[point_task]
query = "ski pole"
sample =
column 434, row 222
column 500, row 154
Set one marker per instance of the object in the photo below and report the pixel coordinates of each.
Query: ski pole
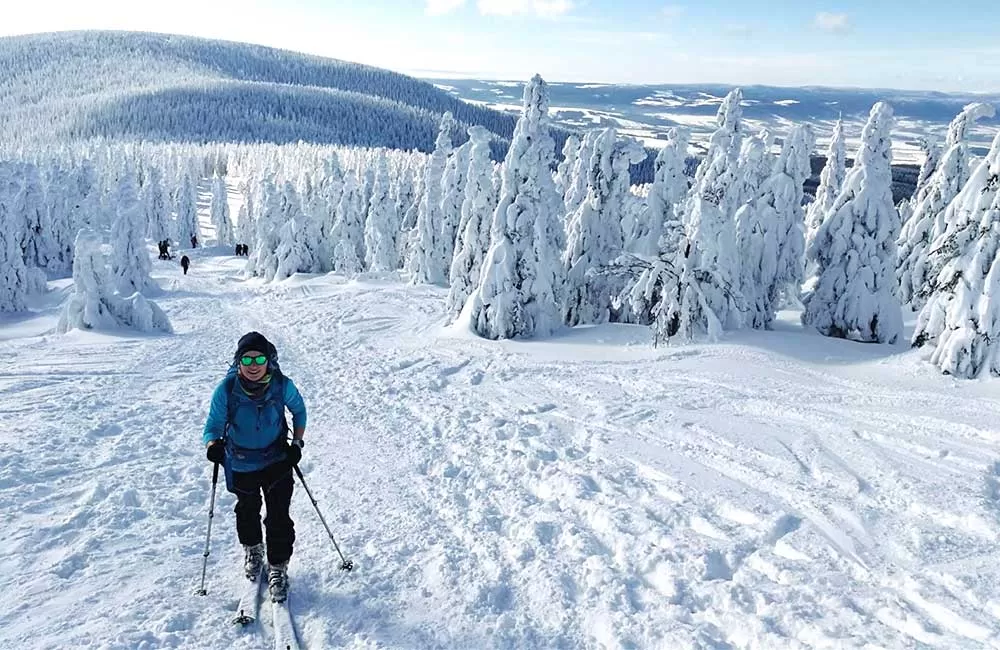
column 345, row 564
column 208, row 536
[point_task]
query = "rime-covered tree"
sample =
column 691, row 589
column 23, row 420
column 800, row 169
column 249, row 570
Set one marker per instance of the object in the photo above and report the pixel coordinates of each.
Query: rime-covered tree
column 668, row 190
column 187, row 211
column 963, row 316
column 155, row 203
column 474, row 230
column 595, row 235
column 38, row 231
column 521, row 283
column 772, row 232
column 453, row 194
column 854, row 292
column 576, row 181
column 13, row 274
column 710, row 211
column 86, row 196
column 932, row 158
column 297, row 250
column 831, row 180
column 754, row 166
column 263, row 261
column 220, row 212
column 57, row 205
column 93, row 306
column 917, row 265
column 564, row 172
column 382, row 223
column 130, row 265
column 348, row 233
column 965, row 253
column 428, row 263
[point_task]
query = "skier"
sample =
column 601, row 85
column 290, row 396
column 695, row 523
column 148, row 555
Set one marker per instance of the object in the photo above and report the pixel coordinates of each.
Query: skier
column 194, row 241
column 246, row 432
column 185, row 263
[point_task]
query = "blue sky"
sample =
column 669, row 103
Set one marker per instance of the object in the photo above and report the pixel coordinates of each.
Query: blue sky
column 916, row 44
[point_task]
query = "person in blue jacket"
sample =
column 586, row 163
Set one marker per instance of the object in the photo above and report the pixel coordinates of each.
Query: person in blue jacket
column 246, row 432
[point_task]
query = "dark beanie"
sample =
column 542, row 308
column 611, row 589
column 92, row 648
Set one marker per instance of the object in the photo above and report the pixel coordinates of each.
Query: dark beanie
column 253, row 341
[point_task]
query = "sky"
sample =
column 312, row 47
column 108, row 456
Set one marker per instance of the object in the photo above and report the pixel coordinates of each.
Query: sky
column 910, row 44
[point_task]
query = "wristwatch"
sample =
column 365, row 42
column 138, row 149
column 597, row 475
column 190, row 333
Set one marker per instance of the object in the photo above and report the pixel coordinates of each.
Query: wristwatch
column 299, row 442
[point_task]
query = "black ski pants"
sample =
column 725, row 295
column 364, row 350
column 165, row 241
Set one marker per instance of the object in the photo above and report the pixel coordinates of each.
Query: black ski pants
column 275, row 482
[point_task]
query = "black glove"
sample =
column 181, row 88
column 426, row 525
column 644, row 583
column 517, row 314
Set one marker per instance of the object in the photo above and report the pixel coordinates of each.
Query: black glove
column 216, row 451
column 295, row 452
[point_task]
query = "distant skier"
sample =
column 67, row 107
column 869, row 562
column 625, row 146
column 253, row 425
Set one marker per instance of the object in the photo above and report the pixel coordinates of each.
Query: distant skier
column 194, row 241
column 239, row 250
column 246, row 432
column 185, row 263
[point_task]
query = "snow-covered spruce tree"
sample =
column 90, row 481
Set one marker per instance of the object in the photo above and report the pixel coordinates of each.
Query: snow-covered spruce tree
column 521, row 284
column 428, row 263
column 220, row 212
column 38, row 249
column 348, row 233
column 669, row 188
column 86, row 196
column 854, row 293
column 831, row 180
column 298, row 242
column 754, row 166
column 328, row 191
column 263, row 261
column 959, row 285
column 93, row 306
column 13, row 274
column 154, row 201
column 245, row 227
column 187, row 211
column 772, row 231
column 709, row 215
column 967, row 303
column 932, row 158
column 130, row 265
column 916, row 268
column 477, row 214
column 576, row 184
column 57, row 205
column 453, row 194
column 564, row 172
column 595, row 236
column 382, row 224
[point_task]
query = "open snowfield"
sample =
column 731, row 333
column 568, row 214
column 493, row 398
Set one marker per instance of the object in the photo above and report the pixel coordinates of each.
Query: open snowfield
column 776, row 490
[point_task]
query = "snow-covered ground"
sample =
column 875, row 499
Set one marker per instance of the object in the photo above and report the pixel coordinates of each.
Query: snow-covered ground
column 776, row 490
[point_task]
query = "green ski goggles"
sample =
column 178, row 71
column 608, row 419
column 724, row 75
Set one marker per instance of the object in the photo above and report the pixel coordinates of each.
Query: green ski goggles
column 258, row 360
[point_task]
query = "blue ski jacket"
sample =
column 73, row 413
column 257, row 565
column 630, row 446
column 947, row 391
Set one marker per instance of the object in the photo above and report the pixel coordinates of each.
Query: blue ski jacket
column 256, row 428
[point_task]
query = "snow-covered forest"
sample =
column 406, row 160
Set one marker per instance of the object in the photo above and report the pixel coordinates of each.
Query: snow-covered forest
column 535, row 244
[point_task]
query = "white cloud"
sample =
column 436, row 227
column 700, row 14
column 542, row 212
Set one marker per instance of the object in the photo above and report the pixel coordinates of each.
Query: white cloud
column 832, row 22
column 441, row 7
column 543, row 8
column 673, row 11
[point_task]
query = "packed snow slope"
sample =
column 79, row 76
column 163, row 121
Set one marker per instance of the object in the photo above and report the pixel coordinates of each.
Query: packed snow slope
column 775, row 490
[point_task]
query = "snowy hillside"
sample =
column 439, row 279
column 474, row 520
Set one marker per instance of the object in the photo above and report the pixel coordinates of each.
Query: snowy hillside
column 780, row 490
column 647, row 112
column 72, row 85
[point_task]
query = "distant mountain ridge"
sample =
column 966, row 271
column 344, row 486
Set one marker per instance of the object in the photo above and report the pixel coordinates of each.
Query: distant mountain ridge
column 103, row 84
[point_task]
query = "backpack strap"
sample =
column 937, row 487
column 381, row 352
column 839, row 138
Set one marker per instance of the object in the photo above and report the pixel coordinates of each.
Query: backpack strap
column 278, row 383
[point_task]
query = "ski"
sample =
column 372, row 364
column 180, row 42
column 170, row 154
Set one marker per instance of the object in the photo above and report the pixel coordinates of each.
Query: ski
column 246, row 611
column 284, row 633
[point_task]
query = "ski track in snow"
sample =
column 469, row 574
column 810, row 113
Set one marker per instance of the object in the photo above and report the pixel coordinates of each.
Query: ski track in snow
column 776, row 490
